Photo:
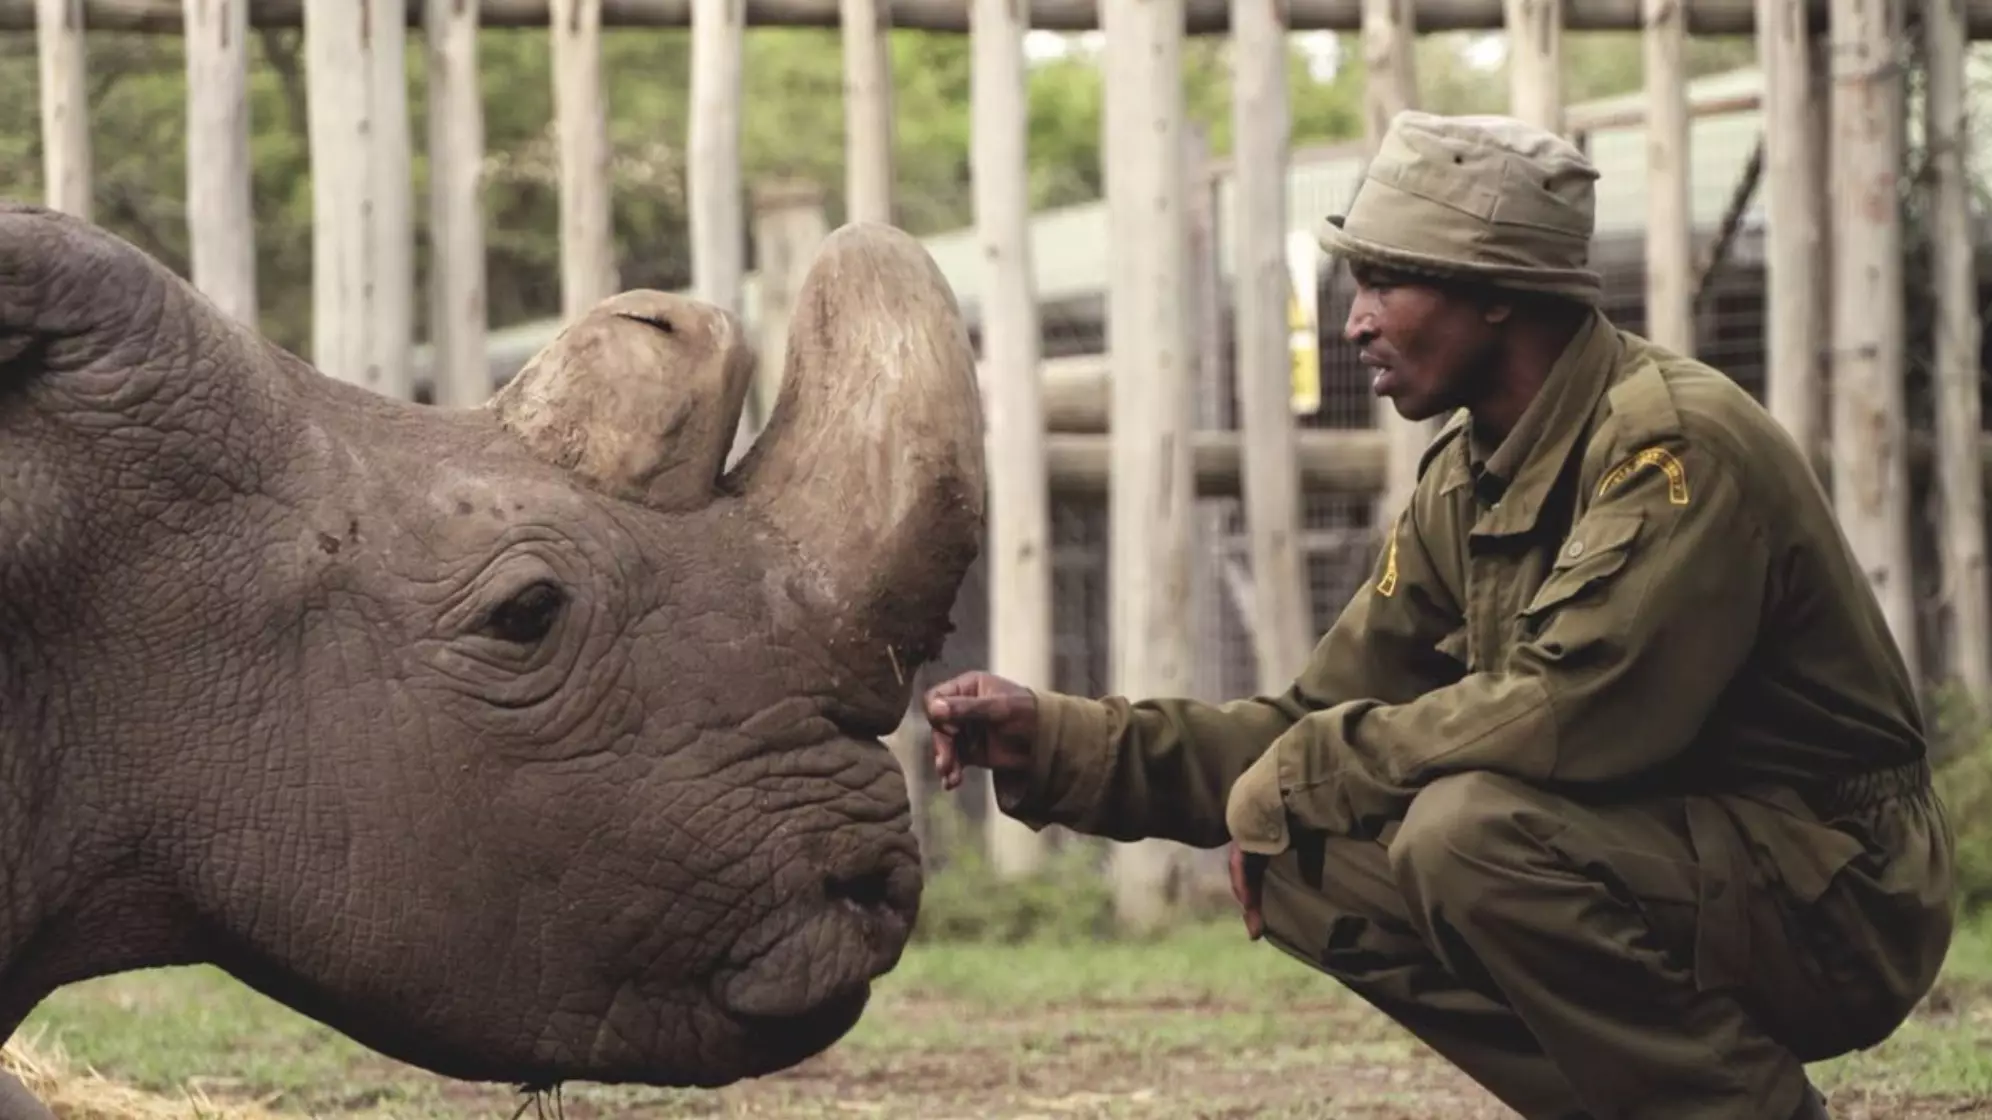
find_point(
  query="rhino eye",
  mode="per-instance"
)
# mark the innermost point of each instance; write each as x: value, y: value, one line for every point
x: 526, y: 616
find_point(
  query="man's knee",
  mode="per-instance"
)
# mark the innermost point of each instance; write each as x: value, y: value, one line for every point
x: 1461, y: 831
x: 1339, y: 909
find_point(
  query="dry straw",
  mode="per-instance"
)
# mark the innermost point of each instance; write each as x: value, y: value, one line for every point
x: 75, y: 1093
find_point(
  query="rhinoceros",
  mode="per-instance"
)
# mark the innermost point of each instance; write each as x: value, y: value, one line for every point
x: 525, y: 742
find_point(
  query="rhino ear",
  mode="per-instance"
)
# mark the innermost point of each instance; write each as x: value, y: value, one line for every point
x: 96, y: 326
x: 639, y: 398
x: 73, y: 292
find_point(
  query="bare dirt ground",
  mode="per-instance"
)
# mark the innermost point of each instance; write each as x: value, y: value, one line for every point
x: 1197, y: 1025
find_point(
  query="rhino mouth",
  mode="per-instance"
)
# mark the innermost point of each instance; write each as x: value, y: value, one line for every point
x: 812, y: 963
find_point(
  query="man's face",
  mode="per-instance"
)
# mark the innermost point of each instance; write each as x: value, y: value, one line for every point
x: 1430, y: 349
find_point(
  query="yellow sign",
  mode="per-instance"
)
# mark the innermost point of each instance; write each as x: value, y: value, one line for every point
x: 1303, y: 335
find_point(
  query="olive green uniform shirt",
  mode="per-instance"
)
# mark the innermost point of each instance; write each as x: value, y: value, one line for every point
x: 1642, y: 589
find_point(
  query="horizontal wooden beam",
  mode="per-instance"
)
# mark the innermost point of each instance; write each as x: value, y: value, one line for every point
x: 1332, y: 461
x: 1347, y: 461
x: 1203, y: 17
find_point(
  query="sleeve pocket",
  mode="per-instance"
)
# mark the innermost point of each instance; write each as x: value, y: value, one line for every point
x: 1597, y: 547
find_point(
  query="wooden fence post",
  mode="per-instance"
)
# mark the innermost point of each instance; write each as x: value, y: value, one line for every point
x: 868, y: 114
x: 1020, y: 587
x: 713, y: 170
x: 1870, y: 473
x: 1960, y: 465
x: 460, y: 372
x: 363, y: 272
x: 221, y: 225
x: 1149, y: 351
x: 60, y: 30
x: 588, y: 272
x: 1670, y: 265
x: 1282, y: 634
x: 1794, y: 223
x: 1535, y: 62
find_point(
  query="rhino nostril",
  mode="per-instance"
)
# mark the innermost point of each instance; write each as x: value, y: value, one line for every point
x: 866, y: 890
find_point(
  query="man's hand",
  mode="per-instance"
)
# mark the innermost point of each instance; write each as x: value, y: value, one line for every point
x: 1248, y: 879
x: 980, y: 719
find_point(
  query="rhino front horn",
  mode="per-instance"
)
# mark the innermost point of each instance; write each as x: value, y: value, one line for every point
x: 871, y: 462
x: 639, y: 397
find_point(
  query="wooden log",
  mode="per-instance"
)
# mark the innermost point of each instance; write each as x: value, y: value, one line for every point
x: 1960, y: 469
x: 458, y: 321
x: 1337, y: 461
x: 588, y: 272
x: 1019, y: 505
x: 1670, y: 269
x: 713, y: 174
x: 1201, y: 17
x: 1149, y: 347
x: 1346, y: 461
x: 1793, y: 208
x: 362, y: 194
x: 1535, y: 61
x: 1870, y: 475
x: 221, y: 224
x: 868, y: 116
x: 1261, y: 124
x: 65, y: 106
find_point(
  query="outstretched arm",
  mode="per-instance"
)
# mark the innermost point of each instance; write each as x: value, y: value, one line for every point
x: 1163, y: 768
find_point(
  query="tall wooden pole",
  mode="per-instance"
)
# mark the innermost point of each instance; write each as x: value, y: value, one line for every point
x: 363, y: 271
x: 1261, y: 122
x: 1670, y: 267
x: 221, y: 225
x: 1148, y: 346
x: 713, y: 173
x: 1535, y: 61
x: 457, y: 315
x: 868, y: 115
x: 1794, y: 224
x: 60, y: 30
x: 588, y: 272
x: 1020, y: 626
x: 1960, y: 467
x: 1870, y: 473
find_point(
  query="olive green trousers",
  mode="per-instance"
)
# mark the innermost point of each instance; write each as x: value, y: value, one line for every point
x: 1676, y: 957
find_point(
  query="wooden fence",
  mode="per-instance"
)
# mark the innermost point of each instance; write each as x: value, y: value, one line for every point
x: 1834, y: 155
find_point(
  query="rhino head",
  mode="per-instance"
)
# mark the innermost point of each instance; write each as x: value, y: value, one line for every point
x: 521, y: 743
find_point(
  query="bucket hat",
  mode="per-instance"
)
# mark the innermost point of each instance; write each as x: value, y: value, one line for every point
x: 1481, y: 198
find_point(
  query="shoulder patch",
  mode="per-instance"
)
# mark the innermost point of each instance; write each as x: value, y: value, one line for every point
x: 1658, y: 458
x: 1386, y: 584
x: 1443, y: 440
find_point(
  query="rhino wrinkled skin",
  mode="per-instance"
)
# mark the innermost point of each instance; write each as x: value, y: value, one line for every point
x: 521, y: 743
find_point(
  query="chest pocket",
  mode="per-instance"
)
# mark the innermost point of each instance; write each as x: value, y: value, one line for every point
x: 1596, y: 549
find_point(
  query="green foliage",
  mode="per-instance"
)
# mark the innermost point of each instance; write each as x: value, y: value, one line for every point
x: 1964, y: 782
x: 965, y: 900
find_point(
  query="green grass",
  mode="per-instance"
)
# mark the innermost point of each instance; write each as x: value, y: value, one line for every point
x: 1196, y: 1023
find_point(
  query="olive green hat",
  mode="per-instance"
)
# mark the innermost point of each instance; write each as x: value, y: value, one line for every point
x: 1481, y: 198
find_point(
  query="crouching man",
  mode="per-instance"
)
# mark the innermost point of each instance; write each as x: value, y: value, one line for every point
x: 1609, y: 784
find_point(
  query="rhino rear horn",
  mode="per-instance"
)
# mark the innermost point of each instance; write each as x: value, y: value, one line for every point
x: 871, y: 461
x: 639, y: 397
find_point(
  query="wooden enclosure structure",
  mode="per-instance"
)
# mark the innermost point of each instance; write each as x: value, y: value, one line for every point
x: 1126, y: 425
